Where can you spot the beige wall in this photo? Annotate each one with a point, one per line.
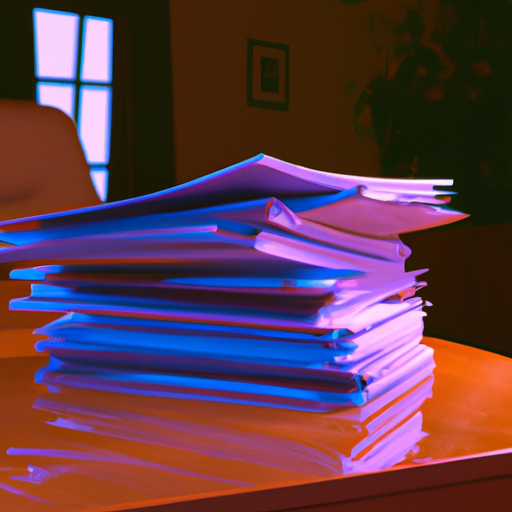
(330, 47)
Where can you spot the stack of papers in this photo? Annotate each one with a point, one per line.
(265, 283)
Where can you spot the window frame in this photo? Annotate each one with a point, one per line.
(142, 139)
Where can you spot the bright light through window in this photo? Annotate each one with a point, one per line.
(99, 177)
(97, 52)
(56, 40)
(94, 123)
(57, 58)
(61, 96)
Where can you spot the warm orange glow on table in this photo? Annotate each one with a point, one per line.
(469, 414)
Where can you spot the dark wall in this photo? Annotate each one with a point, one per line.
(469, 283)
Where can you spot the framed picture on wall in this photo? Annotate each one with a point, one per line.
(267, 74)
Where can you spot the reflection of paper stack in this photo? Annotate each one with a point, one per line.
(112, 439)
(373, 437)
(265, 283)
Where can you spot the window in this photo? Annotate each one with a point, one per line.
(73, 66)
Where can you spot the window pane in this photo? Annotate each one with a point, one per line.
(99, 177)
(56, 43)
(94, 122)
(61, 96)
(97, 50)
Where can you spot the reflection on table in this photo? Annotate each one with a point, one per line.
(73, 448)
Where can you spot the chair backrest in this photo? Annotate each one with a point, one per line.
(42, 164)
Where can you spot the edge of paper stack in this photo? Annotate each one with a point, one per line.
(265, 283)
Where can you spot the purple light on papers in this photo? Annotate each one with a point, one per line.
(97, 50)
(61, 96)
(56, 44)
(218, 290)
(94, 123)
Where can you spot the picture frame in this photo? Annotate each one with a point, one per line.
(268, 75)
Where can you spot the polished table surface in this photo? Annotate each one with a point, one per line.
(79, 450)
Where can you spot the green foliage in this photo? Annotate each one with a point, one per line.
(443, 107)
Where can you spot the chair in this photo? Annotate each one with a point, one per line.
(42, 169)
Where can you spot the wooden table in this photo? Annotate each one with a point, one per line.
(81, 450)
